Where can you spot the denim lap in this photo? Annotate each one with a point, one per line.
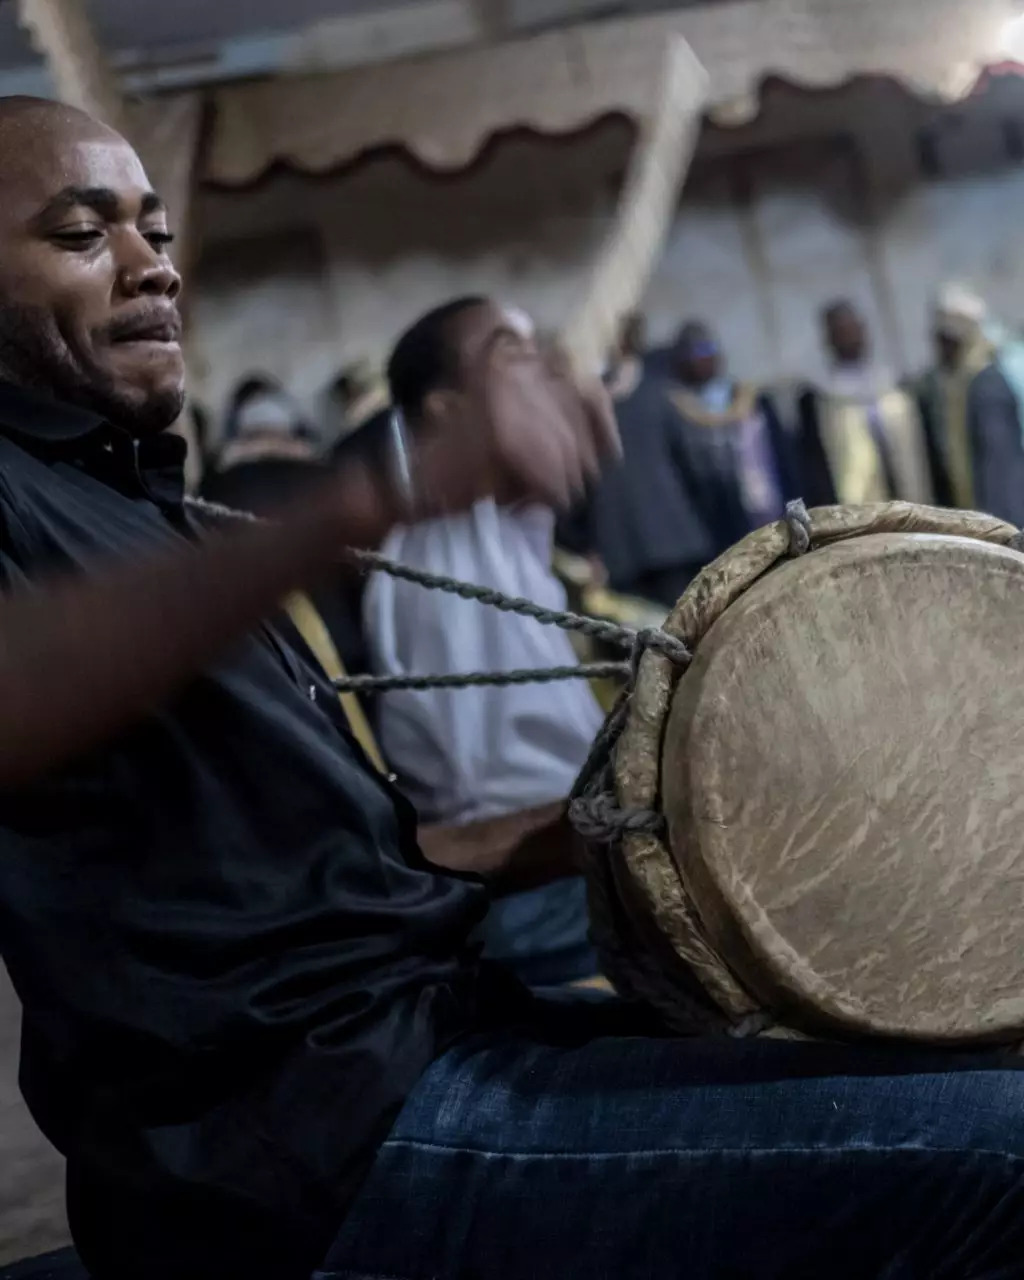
(642, 1159)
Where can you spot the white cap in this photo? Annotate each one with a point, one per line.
(266, 413)
(959, 310)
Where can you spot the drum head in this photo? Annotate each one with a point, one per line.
(843, 777)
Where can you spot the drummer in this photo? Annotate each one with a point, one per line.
(251, 1022)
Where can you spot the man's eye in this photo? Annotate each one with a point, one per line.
(159, 239)
(78, 237)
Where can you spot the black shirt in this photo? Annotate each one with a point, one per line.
(233, 960)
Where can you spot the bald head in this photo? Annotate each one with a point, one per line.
(37, 138)
(87, 292)
(45, 112)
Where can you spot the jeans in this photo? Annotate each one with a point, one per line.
(524, 1155)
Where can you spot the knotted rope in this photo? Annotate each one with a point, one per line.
(609, 633)
(480, 679)
(596, 815)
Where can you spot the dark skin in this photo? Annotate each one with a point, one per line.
(846, 334)
(514, 853)
(949, 349)
(693, 367)
(89, 292)
(88, 308)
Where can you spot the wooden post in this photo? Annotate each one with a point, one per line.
(60, 30)
(491, 18)
(657, 171)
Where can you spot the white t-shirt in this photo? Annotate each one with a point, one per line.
(467, 754)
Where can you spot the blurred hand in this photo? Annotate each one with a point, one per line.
(530, 432)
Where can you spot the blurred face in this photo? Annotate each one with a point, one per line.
(476, 336)
(698, 360)
(846, 335)
(948, 348)
(88, 295)
(491, 328)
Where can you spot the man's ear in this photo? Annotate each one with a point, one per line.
(442, 405)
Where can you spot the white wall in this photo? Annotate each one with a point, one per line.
(822, 197)
(300, 276)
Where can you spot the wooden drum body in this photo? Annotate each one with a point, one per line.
(841, 775)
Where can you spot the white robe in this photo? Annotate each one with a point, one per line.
(467, 754)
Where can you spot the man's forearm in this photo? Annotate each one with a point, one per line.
(516, 852)
(82, 657)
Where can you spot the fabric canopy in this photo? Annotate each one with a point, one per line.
(444, 108)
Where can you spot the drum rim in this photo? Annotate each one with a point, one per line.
(645, 860)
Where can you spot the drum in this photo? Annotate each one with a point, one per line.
(823, 806)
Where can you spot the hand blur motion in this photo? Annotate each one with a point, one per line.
(533, 433)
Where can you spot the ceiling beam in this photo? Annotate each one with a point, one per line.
(386, 32)
(60, 30)
(492, 18)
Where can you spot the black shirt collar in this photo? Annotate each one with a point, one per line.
(32, 413)
(154, 466)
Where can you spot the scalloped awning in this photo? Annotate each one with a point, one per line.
(443, 109)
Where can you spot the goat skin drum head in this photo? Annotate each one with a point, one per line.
(843, 777)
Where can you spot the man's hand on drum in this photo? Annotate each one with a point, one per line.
(514, 853)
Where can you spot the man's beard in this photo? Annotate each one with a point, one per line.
(34, 355)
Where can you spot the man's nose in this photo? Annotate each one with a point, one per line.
(149, 274)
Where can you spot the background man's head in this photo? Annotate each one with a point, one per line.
(697, 354)
(260, 407)
(846, 334)
(958, 325)
(88, 295)
(429, 366)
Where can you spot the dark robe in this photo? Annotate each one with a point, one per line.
(906, 464)
(993, 425)
(649, 519)
(742, 460)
